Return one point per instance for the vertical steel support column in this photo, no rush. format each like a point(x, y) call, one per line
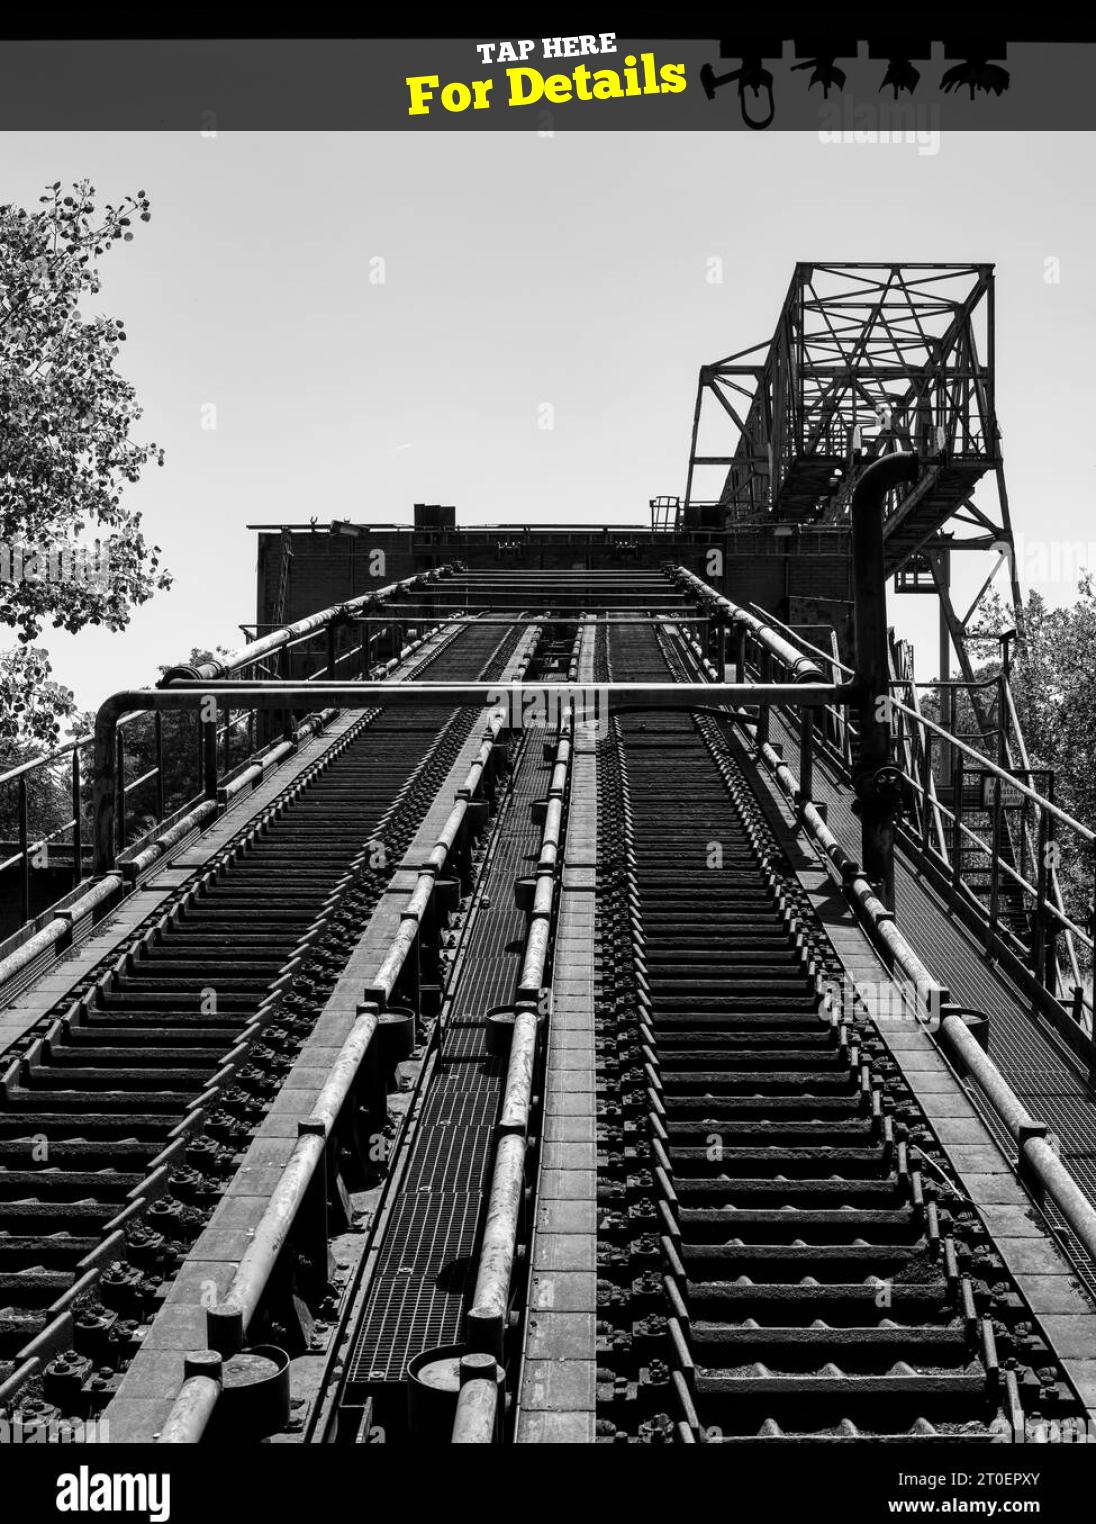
point(120, 748)
point(77, 823)
point(24, 852)
point(766, 664)
point(288, 733)
point(1050, 946)
point(957, 823)
point(158, 733)
point(994, 865)
point(209, 755)
point(926, 787)
point(806, 757)
point(1039, 920)
point(876, 780)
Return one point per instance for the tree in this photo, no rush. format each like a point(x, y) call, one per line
point(1053, 683)
point(31, 705)
point(70, 553)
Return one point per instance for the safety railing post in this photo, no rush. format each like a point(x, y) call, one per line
point(158, 744)
point(957, 822)
point(24, 850)
point(209, 755)
point(994, 866)
point(766, 662)
point(1039, 918)
point(199, 754)
point(120, 749)
point(806, 758)
point(283, 673)
point(77, 822)
point(740, 653)
point(1050, 963)
point(876, 779)
point(926, 787)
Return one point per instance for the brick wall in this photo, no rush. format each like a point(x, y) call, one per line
point(810, 569)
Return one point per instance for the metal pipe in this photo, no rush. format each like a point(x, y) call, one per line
point(1038, 1161)
point(279, 695)
point(477, 1401)
point(548, 619)
point(518, 1091)
point(803, 668)
point(973, 1058)
point(227, 1323)
point(876, 782)
point(337, 613)
point(487, 1318)
point(1043, 1166)
point(193, 1407)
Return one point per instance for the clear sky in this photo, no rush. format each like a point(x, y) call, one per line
point(521, 270)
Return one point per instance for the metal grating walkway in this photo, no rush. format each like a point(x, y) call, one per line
point(426, 1267)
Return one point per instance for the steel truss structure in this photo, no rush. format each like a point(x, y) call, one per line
point(866, 359)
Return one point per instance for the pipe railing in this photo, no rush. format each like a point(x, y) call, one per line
point(69, 839)
point(487, 1319)
point(228, 1322)
point(622, 697)
point(937, 827)
point(802, 668)
point(218, 668)
point(53, 929)
point(1038, 1161)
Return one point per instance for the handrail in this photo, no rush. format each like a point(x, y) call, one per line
point(1037, 1156)
point(802, 667)
point(1045, 898)
point(813, 650)
point(336, 613)
point(227, 1322)
point(989, 766)
point(1052, 1175)
point(205, 777)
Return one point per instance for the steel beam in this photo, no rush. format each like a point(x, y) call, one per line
point(876, 781)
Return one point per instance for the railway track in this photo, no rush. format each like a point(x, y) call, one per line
point(782, 1252)
point(102, 1185)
